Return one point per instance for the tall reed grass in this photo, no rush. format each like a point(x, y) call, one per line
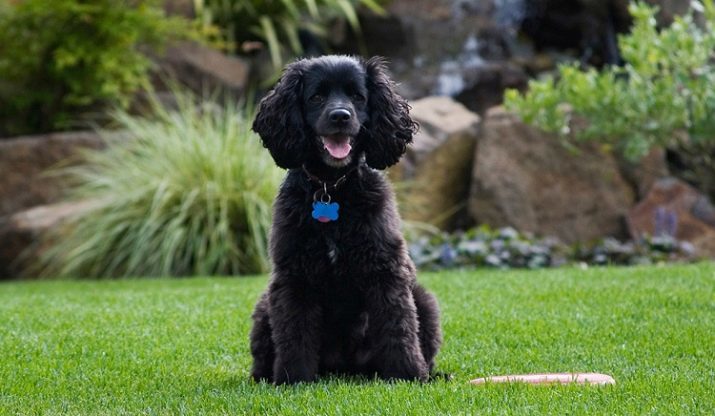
point(188, 192)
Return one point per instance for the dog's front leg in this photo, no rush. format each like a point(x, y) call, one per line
point(295, 322)
point(394, 332)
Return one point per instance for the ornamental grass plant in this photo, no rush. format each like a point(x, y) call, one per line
point(187, 191)
point(279, 24)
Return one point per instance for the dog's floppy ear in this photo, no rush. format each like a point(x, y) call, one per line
point(279, 120)
point(390, 127)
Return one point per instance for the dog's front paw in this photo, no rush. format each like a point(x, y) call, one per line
point(285, 373)
point(406, 369)
point(260, 377)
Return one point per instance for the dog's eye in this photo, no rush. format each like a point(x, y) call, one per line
point(358, 97)
point(316, 99)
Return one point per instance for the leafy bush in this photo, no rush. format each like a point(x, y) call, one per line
point(278, 22)
point(664, 95)
point(188, 192)
point(506, 248)
point(60, 58)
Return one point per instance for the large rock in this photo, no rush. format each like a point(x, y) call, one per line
point(526, 179)
point(24, 162)
point(21, 235)
point(203, 69)
point(642, 174)
point(676, 209)
point(437, 166)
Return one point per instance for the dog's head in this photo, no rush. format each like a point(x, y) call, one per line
point(334, 109)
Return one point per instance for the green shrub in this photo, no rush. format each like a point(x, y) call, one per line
point(62, 58)
point(187, 193)
point(277, 22)
point(664, 94)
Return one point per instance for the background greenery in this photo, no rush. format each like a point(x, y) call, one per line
point(181, 347)
point(183, 197)
point(663, 96)
point(63, 59)
point(187, 191)
point(63, 63)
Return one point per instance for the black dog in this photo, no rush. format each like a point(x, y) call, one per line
point(343, 296)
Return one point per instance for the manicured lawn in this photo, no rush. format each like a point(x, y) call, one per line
point(181, 347)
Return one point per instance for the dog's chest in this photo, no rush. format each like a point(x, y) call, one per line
point(343, 304)
point(333, 251)
point(343, 248)
point(337, 239)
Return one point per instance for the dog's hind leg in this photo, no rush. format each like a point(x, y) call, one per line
point(430, 333)
point(262, 347)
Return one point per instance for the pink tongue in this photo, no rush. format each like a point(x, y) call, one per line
point(338, 149)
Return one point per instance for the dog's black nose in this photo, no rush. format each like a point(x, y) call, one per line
point(339, 115)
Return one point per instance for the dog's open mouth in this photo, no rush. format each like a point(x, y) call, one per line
point(338, 146)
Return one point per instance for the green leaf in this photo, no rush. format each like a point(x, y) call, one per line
point(269, 34)
point(374, 6)
point(291, 31)
point(350, 14)
point(312, 8)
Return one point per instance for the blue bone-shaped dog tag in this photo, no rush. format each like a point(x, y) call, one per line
point(325, 212)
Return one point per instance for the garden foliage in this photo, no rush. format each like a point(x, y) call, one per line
point(188, 192)
point(60, 59)
point(663, 95)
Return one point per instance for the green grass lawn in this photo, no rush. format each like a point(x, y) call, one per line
point(181, 346)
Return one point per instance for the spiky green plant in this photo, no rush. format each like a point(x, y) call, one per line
point(277, 22)
point(188, 192)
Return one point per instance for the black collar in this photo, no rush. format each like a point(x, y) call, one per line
point(330, 184)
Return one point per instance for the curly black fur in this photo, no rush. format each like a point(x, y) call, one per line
point(343, 296)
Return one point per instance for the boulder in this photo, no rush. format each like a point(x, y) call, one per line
point(676, 209)
point(437, 166)
point(642, 174)
point(203, 69)
point(526, 179)
point(20, 234)
point(25, 160)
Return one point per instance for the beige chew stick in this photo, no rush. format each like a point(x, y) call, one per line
point(550, 378)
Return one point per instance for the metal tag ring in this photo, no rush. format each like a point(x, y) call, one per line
point(322, 196)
